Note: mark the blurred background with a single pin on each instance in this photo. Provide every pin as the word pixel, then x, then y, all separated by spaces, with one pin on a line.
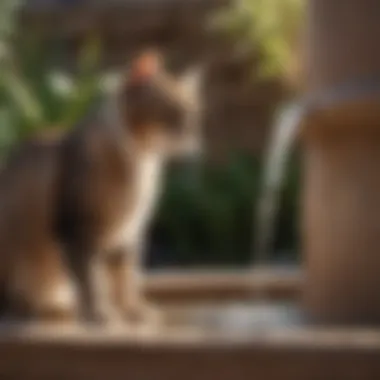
pixel 54 53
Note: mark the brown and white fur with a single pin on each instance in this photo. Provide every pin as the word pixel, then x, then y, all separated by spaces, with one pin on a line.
pixel 98 188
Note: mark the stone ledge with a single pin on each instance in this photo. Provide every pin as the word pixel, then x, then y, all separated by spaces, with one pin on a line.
pixel 273 352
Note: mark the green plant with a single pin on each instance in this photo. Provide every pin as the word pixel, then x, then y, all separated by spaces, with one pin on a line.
pixel 34 93
pixel 207 214
pixel 269 26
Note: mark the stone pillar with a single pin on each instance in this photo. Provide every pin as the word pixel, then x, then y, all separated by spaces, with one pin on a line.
pixel 341 213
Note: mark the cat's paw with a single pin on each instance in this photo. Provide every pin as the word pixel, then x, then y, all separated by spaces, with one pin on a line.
pixel 103 317
pixel 55 315
pixel 143 313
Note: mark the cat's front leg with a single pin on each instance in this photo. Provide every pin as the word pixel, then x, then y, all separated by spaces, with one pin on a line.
pixel 128 278
pixel 89 272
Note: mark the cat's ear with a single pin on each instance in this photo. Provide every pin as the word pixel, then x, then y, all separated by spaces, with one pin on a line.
pixel 191 81
pixel 145 67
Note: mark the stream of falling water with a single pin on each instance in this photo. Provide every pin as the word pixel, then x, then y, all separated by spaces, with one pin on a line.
pixel 281 146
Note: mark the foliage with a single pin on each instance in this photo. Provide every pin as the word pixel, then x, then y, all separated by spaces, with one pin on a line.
pixel 207 214
pixel 34 93
pixel 271 26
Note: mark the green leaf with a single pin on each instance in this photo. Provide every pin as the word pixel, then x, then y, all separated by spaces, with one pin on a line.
pixel 22 97
pixel 268 25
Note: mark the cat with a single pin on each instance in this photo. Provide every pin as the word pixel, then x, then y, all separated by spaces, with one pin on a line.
pixel 75 207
